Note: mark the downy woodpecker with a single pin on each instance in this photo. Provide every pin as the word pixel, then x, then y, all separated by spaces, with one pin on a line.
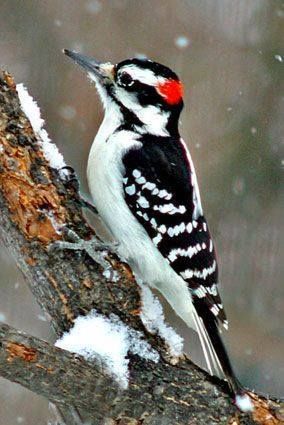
pixel 143 184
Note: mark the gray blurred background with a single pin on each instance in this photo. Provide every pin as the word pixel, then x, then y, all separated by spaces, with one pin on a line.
pixel 228 53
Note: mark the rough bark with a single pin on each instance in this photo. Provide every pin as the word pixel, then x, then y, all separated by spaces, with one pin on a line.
pixel 67 284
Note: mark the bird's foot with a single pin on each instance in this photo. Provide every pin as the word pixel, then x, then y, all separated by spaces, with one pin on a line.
pixel 94 247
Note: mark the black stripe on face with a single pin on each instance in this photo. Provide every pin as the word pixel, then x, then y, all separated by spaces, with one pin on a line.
pixel 157 68
pixel 130 118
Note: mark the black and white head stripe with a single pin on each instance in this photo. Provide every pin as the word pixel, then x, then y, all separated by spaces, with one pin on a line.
pixel 149 83
pixel 148 94
pixel 161 196
pixel 145 71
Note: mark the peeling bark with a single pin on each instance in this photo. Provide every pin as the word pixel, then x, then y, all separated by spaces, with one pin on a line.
pixel 34 202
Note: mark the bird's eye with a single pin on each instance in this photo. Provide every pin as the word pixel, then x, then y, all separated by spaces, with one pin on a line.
pixel 125 80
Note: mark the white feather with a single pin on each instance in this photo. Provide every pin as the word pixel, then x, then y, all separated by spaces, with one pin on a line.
pixel 211 358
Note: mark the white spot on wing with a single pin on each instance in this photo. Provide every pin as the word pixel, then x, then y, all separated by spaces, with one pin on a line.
pixel 162 228
pixel 157 239
pixel 176 230
pixel 136 173
pixel 189 227
pixel 141 180
pixel 149 186
pixel 200 274
pixel 180 252
pixel 143 202
pixel 163 193
pixel 187 274
pixel 170 209
pixel 200 291
pixel 154 223
pixel 130 190
pixel 146 217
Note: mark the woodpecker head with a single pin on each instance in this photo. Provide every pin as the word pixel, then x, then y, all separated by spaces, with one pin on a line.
pixel 146 93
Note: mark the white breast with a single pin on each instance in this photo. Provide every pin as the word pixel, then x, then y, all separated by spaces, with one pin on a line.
pixel 105 177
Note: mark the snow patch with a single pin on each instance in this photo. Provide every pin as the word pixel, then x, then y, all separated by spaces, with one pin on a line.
pixel 244 403
pixel 98 337
pixel 182 42
pixel 111 274
pixel 153 319
pixel 32 111
pixel 279 58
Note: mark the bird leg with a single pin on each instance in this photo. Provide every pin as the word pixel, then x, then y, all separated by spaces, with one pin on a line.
pixel 94 247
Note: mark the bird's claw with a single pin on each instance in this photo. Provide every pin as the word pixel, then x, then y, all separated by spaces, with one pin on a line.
pixel 94 247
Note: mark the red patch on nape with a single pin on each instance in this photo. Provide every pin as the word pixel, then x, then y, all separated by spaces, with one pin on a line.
pixel 171 90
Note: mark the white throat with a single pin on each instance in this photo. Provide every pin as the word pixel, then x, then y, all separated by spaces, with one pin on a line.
pixel 155 121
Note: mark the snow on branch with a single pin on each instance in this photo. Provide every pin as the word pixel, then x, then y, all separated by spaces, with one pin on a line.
pixel 32 111
pixel 153 319
pixel 107 339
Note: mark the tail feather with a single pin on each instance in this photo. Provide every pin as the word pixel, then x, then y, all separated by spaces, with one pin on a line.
pixel 215 354
pixel 211 358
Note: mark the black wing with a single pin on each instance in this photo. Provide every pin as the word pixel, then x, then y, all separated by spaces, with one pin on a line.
pixel 161 191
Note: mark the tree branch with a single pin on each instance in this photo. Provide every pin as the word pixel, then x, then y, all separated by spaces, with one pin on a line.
pixel 34 202
pixel 38 366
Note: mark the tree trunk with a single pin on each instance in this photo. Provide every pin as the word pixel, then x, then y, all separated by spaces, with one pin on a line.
pixel 35 201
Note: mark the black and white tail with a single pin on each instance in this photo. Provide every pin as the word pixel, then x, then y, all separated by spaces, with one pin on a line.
pixel 215 354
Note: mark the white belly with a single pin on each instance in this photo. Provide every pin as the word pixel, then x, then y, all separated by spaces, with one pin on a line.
pixel 105 178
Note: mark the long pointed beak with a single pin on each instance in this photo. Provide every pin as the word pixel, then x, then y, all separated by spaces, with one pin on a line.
pixel 103 71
